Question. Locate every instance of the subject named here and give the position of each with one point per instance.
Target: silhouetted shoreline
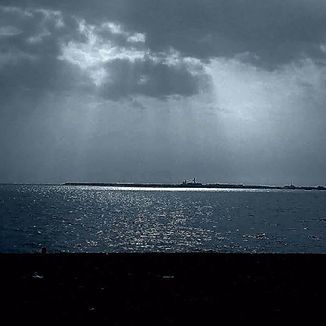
(162, 289)
(193, 185)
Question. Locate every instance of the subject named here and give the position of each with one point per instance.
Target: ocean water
(107, 219)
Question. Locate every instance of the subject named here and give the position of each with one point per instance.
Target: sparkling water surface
(112, 219)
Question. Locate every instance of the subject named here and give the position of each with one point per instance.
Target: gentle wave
(119, 219)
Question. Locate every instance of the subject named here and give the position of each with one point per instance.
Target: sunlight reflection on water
(112, 219)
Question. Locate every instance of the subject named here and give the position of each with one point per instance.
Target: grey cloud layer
(47, 49)
(138, 39)
(277, 31)
(135, 90)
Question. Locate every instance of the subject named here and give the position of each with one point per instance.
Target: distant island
(194, 184)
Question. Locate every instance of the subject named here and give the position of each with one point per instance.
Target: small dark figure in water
(43, 251)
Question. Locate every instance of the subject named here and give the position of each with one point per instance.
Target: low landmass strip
(194, 184)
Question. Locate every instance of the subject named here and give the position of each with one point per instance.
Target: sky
(162, 91)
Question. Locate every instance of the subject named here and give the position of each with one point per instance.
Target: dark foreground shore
(162, 289)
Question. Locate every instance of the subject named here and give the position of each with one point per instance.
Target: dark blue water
(99, 219)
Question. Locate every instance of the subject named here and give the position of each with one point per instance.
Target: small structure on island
(291, 186)
(191, 183)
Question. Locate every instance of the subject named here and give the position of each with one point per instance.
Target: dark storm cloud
(270, 32)
(151, 79)
(278, 31)
(28, 58)
(33, 39)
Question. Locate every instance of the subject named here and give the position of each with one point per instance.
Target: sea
(111, 219)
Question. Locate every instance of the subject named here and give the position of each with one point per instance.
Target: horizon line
(198, 184)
